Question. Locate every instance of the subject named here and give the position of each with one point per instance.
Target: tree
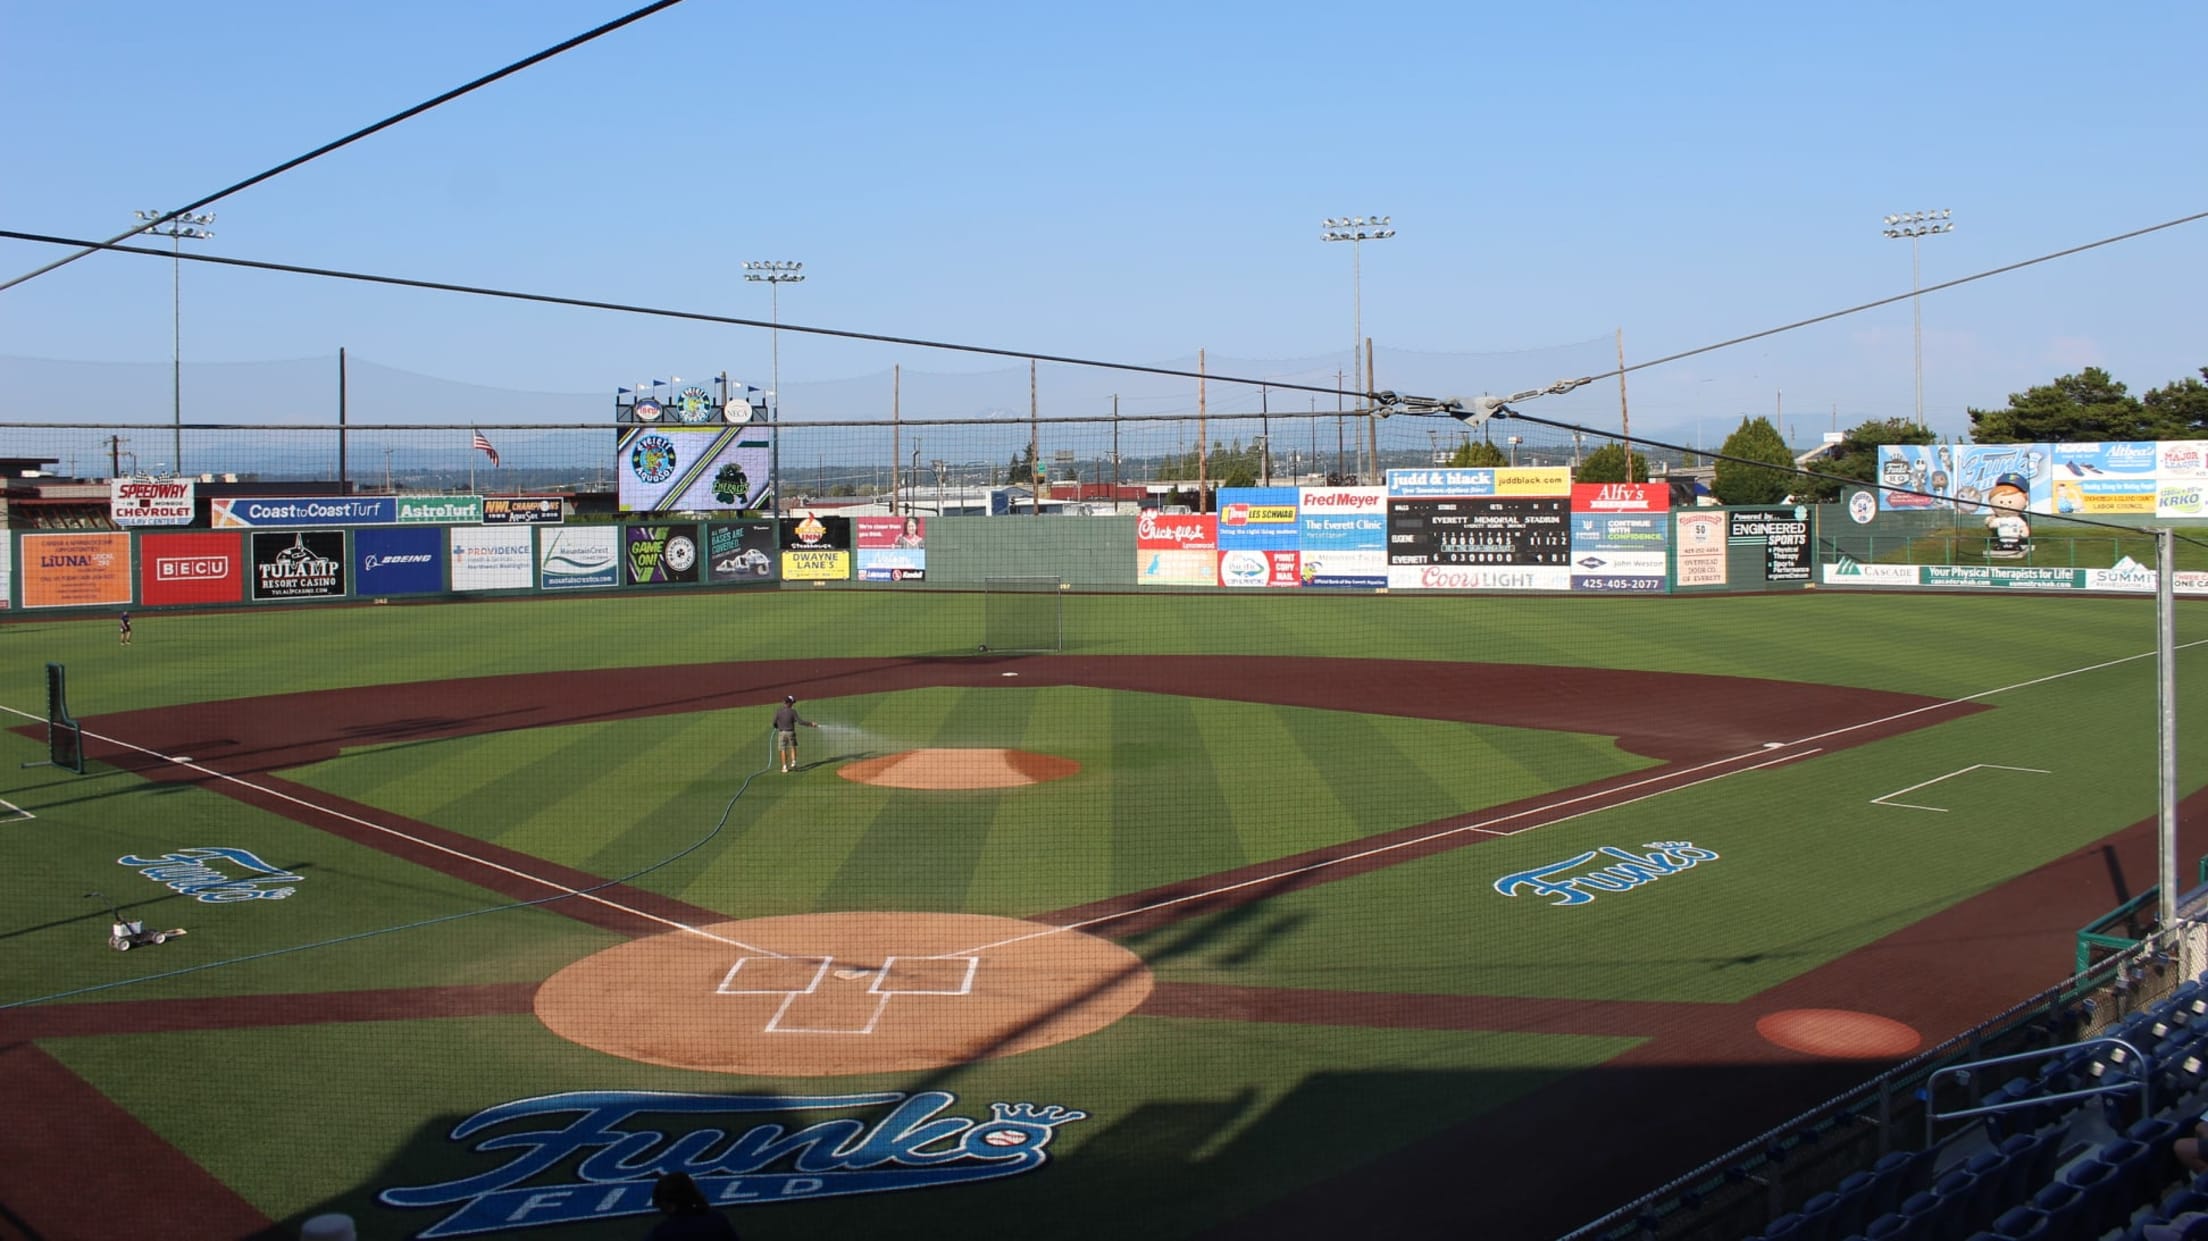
(1608, 464)
(2086, 408)
(1740, 483)
(1477, 454)
(1856, 457)
(2182, 405)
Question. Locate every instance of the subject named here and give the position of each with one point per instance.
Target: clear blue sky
(1134, 181)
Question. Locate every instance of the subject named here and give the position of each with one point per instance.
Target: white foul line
(412, 839)
(1902, 805)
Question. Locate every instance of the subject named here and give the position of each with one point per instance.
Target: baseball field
(1295, 915)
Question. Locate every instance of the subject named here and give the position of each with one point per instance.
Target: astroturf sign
(868, 1143)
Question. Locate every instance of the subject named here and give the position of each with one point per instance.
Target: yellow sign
(1547, 480)
(816, 566)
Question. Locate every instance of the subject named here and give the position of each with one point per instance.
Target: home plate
(1774, 745)
(1008, 674)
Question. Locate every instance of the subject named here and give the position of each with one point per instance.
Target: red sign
(1187, 532)
(1621, 498)
(190, 568)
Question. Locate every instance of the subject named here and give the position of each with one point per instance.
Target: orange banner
(76, 570)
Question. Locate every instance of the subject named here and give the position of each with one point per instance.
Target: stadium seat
(1852, 1206)
(1895, 1176)
(2096, 1208)
(1820, 1217)
(2141, 1171)
(1788, 1227)
(2022, 1224)
(1892, 1226)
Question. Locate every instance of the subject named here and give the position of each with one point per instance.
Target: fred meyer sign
(150, 501)
(275, 512)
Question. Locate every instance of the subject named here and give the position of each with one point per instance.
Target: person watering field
(786, 724)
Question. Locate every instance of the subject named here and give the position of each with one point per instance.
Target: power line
(355, 136)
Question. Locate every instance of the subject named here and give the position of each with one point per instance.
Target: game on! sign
(150, 501)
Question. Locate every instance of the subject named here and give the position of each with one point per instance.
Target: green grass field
(1193, 1120)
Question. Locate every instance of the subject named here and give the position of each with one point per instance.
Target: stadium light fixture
(775, 273)
(1356, 230)
(178, 229)
(1916, 226)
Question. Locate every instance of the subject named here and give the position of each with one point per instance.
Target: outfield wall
(1487, 531)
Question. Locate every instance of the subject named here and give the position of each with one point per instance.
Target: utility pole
(1625, 420)
(1115, 449)
(1034, 447)
(1203, 440)
(896, 397)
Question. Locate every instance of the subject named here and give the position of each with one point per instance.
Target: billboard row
(2163, 478)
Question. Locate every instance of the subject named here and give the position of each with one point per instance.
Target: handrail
(1932, 1114)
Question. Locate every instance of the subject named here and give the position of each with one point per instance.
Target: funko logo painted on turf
(1629, 870)
(906, 1144)
(191, 871)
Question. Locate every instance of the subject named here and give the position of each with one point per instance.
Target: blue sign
(1619, 871)
(868, 1143)
(1257, 519)
(400, 561)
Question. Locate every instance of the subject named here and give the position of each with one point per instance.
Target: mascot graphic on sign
(2010, 534)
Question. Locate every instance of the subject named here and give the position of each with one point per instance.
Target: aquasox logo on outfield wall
(1617, 870)
(584, 1161)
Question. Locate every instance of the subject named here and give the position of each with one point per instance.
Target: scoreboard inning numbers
(1480, 531)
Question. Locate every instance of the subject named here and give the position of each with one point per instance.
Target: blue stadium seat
(1820, 1217)
(2096, 1208)
(1852, 1210)
(1892, 1226)
(2141, 1170)
(1895, 1176)
(1788, 1227)
(2022, 1224)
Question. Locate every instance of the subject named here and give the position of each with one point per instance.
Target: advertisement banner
(1466, 577)
(2181, 498)
(1540, 480)
(1784, 534)
(523, 510)
(495, 558)
(891, 549)
(1182, 532)
(398, 562)
(1441, 482)
(2114, 477)
(1926, 468)
(151, 501)
(2177, 459)
(1614, 551)
(740, 553)
(1176, 549)
(1621, 498)
(297, 511)
(1257, 518)
(657, 555)
(579, 558)
(1851, 572)
(303, 564)
(440, 510)
(76, 570)
(190, 568)
(1244, 566)
(1168, 567)
(1342, 519)
(1991, 475)
(816, 549)
(1356, 570)
(703, 469)
(2005, 577)
(1700, 548)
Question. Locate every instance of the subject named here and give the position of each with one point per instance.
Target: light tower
(1917, 225)
(180, 229)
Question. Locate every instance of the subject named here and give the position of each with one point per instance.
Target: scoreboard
(1480, 531)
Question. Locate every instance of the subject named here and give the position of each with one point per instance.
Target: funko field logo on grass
(1624, 872)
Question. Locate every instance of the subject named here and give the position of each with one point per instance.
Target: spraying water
(853, 737)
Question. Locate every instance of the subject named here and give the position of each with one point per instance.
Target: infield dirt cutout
(817, 995)
(958, 769)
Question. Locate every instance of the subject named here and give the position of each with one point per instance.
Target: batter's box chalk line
(794, 978)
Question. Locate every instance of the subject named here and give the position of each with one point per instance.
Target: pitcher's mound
(959, 769)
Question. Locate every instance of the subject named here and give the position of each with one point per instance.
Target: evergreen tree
(1608, 464)
(1740, 483)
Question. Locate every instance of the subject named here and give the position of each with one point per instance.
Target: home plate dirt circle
(958, 769)
(818, 995)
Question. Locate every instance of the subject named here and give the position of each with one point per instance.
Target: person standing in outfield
(786, 723)
(123, 627)
(689, 1216)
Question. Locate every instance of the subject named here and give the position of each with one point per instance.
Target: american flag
(484, 445)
